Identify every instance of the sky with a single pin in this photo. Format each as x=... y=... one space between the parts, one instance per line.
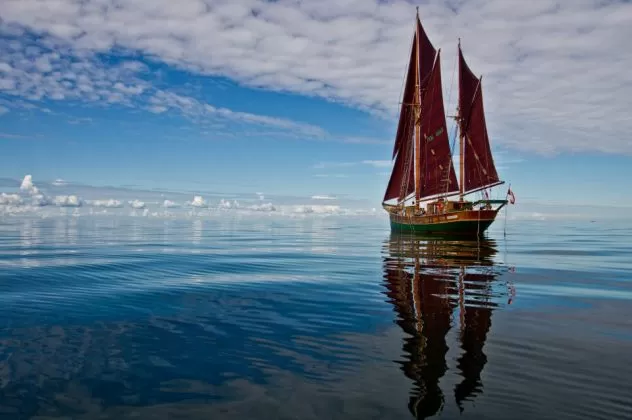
x=300 y=98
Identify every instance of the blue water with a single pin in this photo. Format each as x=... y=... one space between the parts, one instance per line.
x=317 y=317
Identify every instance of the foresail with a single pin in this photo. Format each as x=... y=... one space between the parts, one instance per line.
x=438 y=174
x=402 y=181
x=479 y=168
x=418 y=64
x=427 y=54
x=420 y=67
x=406 y=110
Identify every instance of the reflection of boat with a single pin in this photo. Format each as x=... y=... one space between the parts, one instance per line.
x=428 y=280
x=423 y=169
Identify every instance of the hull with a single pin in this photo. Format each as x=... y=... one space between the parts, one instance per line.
x=467 y=223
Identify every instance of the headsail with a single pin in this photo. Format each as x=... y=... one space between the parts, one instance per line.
x=402 y=181
x=438 y=174
x=406 y=110
x=479 y=169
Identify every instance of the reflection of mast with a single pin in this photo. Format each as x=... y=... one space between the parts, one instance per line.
x=420 y=276
x=476 y=320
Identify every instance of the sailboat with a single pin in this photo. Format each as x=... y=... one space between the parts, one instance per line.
x=423 y=175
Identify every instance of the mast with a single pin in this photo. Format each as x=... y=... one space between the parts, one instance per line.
x=461 y=145
x=417 y=121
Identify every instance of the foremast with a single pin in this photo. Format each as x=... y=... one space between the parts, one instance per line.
x=417 y=118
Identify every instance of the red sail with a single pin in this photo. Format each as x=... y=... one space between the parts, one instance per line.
x=427 y=54
x=403 y=176
x=479 y=170
x=438 y=174
x=467 y=88
x=423 y=67
x=406 y=111
x=402 y=181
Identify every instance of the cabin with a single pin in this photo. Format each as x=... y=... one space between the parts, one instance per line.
x=444 y=206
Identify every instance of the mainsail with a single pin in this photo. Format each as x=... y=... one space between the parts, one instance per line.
x=438 y=174
x=478 y=167
x=433 y=163
x=402 y=181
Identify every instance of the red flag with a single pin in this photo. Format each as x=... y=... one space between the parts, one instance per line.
x=512 y=197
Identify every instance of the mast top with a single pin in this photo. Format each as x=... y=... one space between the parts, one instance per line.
x=417 y=11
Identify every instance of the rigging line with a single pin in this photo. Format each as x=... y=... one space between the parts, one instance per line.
x=401 y=89
x=505 y=227
x=451 y=83
x=447 y=184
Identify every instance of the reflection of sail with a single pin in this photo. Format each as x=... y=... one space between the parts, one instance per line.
x=426 y=281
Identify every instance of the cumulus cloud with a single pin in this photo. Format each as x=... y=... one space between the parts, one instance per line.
x=546 y=87
x=137 y=204
x=108 y=203
x=10 y=199
x=67 y=201
x=28 y=186
x=168 y=204
x=198 y=202
x=267 y=207
x=226 y=204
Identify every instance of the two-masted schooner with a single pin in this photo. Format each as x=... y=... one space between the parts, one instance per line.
x=423 y=174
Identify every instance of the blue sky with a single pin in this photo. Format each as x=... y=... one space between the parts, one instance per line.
x=300 y=98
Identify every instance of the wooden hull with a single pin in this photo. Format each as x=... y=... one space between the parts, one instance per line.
x=467 y=222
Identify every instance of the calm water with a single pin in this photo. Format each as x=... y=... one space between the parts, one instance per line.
x=317 y=318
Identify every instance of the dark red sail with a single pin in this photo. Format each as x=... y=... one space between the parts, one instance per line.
x=438 y=174
x=402 y=181
x=406 y=110
x=417 y=64
x=467 y=87
x=420 y=65
x=479 y=170
x=427 y=54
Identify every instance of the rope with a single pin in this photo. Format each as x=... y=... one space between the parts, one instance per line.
x=478 y=226
x=451 y=83
x=505 y=227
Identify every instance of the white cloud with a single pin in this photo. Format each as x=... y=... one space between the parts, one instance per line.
x=28 y=186
x=323 y=197
x=267 y=207
x=199 y=202
x=225 y=204
x=67 y=201
x=10 y=199
x=546 y=86
x=378 y=163
x=168 y=204
x=137 y=204
x=108 y=203
x=59 y=182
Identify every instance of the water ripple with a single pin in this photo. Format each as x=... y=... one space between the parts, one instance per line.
x=127 y=318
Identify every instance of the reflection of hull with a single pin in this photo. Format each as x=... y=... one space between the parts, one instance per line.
x=427 y=279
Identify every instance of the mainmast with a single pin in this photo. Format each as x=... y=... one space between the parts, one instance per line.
x=461 y=146
x=417 y=113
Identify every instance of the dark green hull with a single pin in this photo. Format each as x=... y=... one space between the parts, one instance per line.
x=464 y=227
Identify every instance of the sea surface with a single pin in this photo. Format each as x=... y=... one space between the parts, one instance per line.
x=318 y=317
